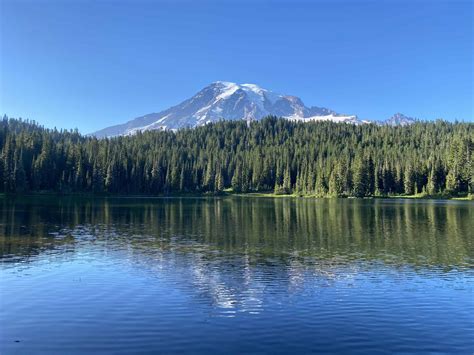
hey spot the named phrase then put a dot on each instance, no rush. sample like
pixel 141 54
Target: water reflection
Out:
pixel 264 230
pixel 169 274
pixel 230 249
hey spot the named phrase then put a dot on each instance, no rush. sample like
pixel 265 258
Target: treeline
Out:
pixel 319 158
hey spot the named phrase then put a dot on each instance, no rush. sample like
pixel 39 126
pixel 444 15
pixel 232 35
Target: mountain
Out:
pixel 231 101
pixel 225 100
pixel 399 119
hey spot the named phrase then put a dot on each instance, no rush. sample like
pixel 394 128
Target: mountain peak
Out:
pixel 223 83
pixel 229 84
pixel 399 119
pixel 228 88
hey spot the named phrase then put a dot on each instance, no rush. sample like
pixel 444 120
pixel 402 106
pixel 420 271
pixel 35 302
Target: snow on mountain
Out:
pixel 399 119
pixel 224 100
pixel 330 117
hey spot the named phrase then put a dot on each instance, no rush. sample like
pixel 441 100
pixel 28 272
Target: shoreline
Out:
pixel 467 197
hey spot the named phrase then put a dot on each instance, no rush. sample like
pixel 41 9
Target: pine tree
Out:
pixel 109 178
pixel 287 180
pixel 452 183
pixel 321 187
pixel 219 181
pixel 97 179
pixel 19 183
pixel 360 178
pixel 432 187
pixel 209 178
pixel 182 180
pixel 409 180
pixel 237 179
pixel 310 181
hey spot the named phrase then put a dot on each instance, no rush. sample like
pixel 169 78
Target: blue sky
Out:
pixel 91 64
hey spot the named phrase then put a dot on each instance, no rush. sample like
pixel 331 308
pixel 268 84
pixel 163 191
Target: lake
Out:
pixel 235 274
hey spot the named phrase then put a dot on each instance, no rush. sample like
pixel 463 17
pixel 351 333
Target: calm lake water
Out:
pixel 229 275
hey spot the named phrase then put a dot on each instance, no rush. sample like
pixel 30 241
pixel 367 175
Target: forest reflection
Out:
pixel 415 232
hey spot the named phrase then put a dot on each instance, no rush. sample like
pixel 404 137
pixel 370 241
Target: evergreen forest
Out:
pixel 322 159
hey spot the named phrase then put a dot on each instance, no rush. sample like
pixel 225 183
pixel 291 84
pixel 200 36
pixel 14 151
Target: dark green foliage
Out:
pixel 361 177
pixel 320 158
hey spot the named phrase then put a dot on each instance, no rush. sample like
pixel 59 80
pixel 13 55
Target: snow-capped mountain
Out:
pixel 230 101
pixel 400 119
